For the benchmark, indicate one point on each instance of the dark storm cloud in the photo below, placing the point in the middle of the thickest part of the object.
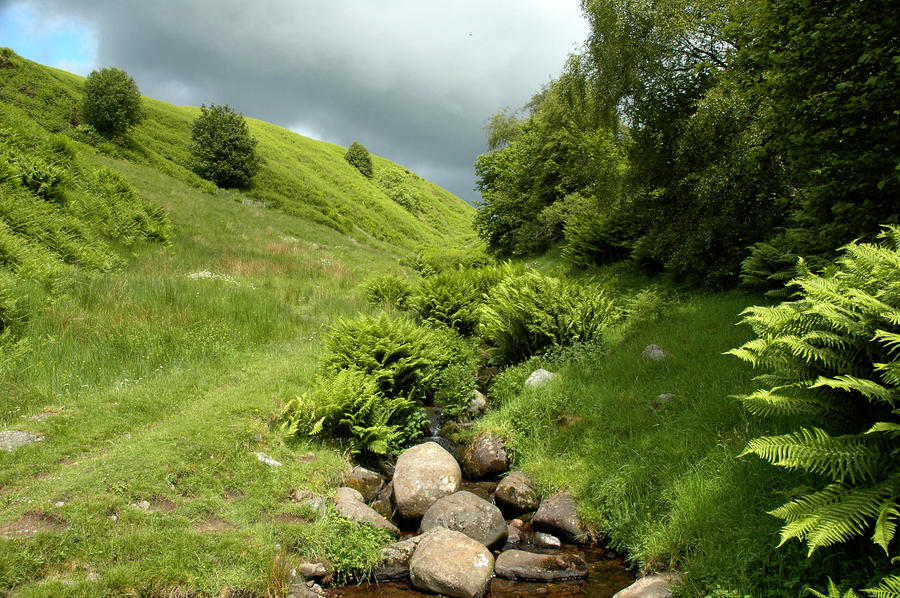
(414, 80)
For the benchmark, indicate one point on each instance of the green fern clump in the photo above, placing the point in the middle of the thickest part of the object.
(528, 313)
(833, 354)
(350, 406)
(388, 289)
(404, 358)
(452, 298)
(122, 213)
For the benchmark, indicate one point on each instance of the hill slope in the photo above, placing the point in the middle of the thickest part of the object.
(301, 176)
(152, 326)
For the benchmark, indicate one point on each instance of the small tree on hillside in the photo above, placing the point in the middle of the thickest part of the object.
(112, 101)
(358, 157)
(223, 150)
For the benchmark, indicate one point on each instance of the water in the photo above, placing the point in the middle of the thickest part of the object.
(607, 575)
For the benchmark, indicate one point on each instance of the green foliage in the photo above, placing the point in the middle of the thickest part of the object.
(388, 289)
(428, 260)
(358, 157)
(123, 213)
(42, 178)
(112, 101)
(453, 298)
(396, 184)
(833, 592)
(832, 354)
(350, 406)
(888, 588)
(405, 359)
(526, 314)
(223, 150)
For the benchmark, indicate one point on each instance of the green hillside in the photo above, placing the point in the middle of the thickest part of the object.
(301, 176)
(151, 326)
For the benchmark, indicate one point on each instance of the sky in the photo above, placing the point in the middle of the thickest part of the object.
(413, 80)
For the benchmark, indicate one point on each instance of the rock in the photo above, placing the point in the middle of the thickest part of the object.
(395, 559)
(314, 503)
(384, 502)
(316, 569)
(144, 505)
(367, 482)
(514, 532)
(515, 494)
(652, 586)
(349, 504)
(13, 439)
(486, 458)
(477, 404)
(539, 378)
(483, 490)
(558, 515)
(521, 565)
(543, 540)
(423, 474)
(264, 458)
(451, 563)
(464, 512)
(654, 353)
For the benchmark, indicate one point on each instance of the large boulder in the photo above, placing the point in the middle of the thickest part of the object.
(423, 474)
(652, 586)
(349, 503)
(464, 512)
(367, 482)
(516, 495)
(529, 566)
(451, 563)
(486, 458)
(558, 515)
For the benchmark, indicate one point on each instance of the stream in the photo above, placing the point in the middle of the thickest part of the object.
(607, 573)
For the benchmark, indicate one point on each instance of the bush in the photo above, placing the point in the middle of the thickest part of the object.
(528, 313)
(404, 359)
(833, 354)
(452, 298)
(428, 261)
(223, 151)
(41, 178)
(395, 184)
(358, 157)
(112, 101)
(350, 406)
(388, 289)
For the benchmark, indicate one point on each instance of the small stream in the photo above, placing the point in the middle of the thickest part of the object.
(607, 573)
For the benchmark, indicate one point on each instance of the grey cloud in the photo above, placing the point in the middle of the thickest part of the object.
(414, 80)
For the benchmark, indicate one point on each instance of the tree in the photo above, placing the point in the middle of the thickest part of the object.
(223, 150)
(358, 157)
(112, 101)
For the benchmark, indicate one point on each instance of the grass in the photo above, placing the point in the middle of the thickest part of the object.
(153, 369)
(660, 479)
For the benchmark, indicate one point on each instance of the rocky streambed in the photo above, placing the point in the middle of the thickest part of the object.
(470, 537)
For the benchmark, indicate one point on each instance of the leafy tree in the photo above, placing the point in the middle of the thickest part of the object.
(223, 151)
(358, 157)
(833, 354)
(112, 101)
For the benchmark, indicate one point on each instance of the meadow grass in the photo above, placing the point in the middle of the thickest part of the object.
(153, 370)
(659, 479)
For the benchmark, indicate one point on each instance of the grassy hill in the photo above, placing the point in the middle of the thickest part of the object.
(151, 327)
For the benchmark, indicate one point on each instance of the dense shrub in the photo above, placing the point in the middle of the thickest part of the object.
(222, 148)
(526, 314)
(358, 157)
(452, 298)
(833, 354)
(396, 184)
(428, 261)
(350, 406)
(388, 289)
(112, 101)
(123, 213)
(404, 358)
(44, 179)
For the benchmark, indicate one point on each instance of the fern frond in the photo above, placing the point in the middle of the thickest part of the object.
(889, 428)
(886, 525)
(854, 458)
(766, 403)
(833, 592)
(888, 588)
(871, 390)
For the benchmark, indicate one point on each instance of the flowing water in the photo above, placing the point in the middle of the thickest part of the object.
(607, 575)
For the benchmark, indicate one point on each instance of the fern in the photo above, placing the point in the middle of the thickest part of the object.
(888, 588)
(833, 592)
(832, 353)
